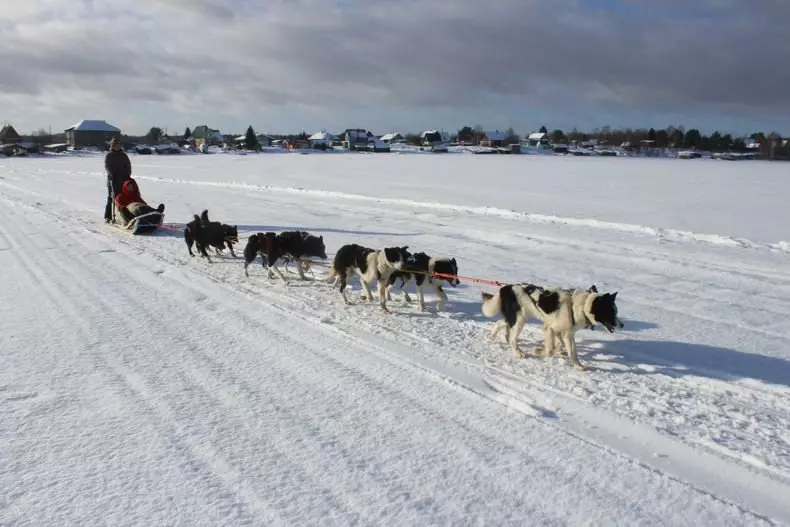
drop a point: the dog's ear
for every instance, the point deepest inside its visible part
(614, 296)
(453, 260)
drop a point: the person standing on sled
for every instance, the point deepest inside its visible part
(129, 204)
(119, 170)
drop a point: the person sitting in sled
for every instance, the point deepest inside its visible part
(130, 205)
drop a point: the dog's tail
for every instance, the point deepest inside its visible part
(204, 217)
(492, 304)
(332, 273)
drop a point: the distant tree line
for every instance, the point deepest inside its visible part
(770, 145)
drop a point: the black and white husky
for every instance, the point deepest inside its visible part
(562, 311)
(591, 307)
(371, 265)
(420, 269)
(519, 302)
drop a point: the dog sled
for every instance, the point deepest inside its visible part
(142, 224)
(144, 219)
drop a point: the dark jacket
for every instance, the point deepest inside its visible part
(118, 168)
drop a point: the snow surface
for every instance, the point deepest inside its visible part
(140, 386)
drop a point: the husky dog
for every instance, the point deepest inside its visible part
(300, 246)
(519, 302)
(421, 268)
(259, 243)
(369, 264)
(591, 307)
(193, 235)
(297, 245)
(204, 233)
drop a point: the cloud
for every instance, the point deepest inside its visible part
(188, 55)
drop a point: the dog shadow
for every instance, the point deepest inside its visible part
(311, 230)
(679, 359)
(455, 308)
(633, 326)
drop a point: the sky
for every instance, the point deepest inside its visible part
(284, 66)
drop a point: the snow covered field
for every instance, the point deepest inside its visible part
(139, 386)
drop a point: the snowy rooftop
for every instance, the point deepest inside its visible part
(321, 136)
(87, 125)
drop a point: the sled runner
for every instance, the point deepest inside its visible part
(146, 223)
(143, 224)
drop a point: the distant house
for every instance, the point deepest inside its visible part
(91, 133)
(392, 138)
(435, 140)
(356, 138)
(322, 139)
(538, 140)
(495, 138)
(203, 134)
(8, 135)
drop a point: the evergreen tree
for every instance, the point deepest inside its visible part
(466, 135)
(662, 138)
(543, 130)
(651, 134)
(692, 139)
(154, 135)
(187, 133)
(675, 137)
(511, 137)
(250, 139)
(558, 136)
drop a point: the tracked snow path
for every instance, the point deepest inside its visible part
(262, 403)
(151, 396)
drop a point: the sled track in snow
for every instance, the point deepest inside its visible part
(546, 389)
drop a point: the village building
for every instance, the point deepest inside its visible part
(91, 133)
(321, 140)
(392, 138)
(493, 139)
(8, 135)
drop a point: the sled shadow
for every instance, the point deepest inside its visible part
(681, 358)
(165, 233)
(312, 230)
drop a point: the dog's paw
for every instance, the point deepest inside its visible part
(579, 367)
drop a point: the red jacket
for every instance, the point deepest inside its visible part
(129, 194)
